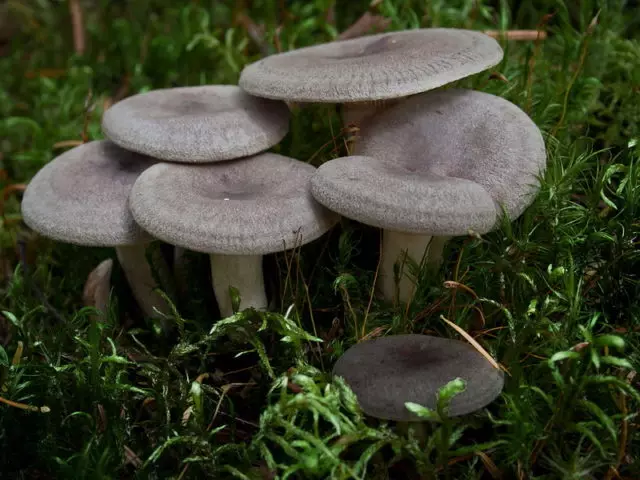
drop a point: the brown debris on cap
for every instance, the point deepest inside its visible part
(196, 124)
(387, 372)
(375, 67)
(440, 163)
(81, 196)
(251, 206)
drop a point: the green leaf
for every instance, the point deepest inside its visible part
(595, 358)
(423, 412)
(4, 358)
(478, 447)
(196, 398)
(236, 473)
(545, 396)
(234, 293)
(613, 381)
(560, 356)
(456, 435)
(616, 362)
(450, 390)
(11, 317)
(612, 341)
(605, 420)
(582, 428)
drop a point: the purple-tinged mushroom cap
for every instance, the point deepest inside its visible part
(81, 197)
(387, 372)
(399, 197)
(460, 136)
(253, 206)
(237, 211)
(439, 164)
(197, 124)
(375, 67)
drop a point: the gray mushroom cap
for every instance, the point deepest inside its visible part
(196, 124)
(81, 197)
(374, 67)
(252, 206)
(440, 163)
(387, 372)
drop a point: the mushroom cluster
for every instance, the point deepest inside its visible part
(429, 163)
(189, 166)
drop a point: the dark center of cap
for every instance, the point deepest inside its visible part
(381, 45)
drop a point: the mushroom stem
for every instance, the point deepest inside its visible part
(354, 113)
(243, 272)
(134, 263)
(423, 249)
(357, 112)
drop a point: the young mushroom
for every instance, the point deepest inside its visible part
(237, 211)
(81, 197)
(363, 73)
(387, 372)
(440, 164)
(197, 124)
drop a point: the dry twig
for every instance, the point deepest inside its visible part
(255, 32)
(367, 23)
(77, 23)
(517, 35)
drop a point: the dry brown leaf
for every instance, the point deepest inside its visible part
(67, 143)
(46, 73)
(367, 23)
(97, 288)
(132, 458)
(491, 467)
(77, 24)
(255, 32)
(186, 415)
(470, 339)
(518, 35)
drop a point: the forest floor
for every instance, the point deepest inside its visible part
(553, 296)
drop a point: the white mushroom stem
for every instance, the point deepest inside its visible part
(354, 113)
(243, 272)
(357, 112)
(134, 263)
(422, 249)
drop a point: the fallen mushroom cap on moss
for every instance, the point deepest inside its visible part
(387, 372)
(237, 211)
(81, 198)
(197, 124)
(384, 66)
(439, 164)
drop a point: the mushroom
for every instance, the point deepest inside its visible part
(237, 211)
(387, 372)
(439, 164)
(196, 124)
(368, 72)
(81, 197)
